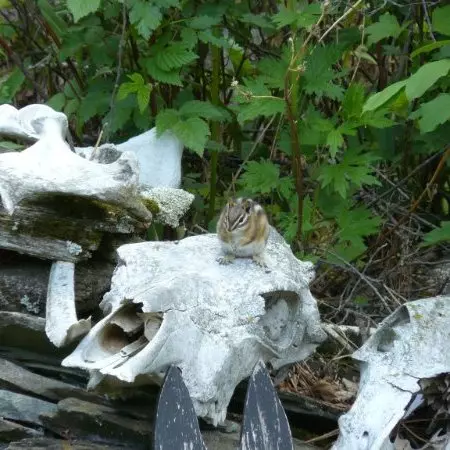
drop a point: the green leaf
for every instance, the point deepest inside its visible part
(335, 141)
(208, 37)
(418, 83)
(438, 235)
(206, 110)
(194, 133)
(81, 8)
(387, 26)
(164, 76)
(261, 107)
(54, 21)
(429, 47)
(260, 20)
(353, 171)
(166, 120)
(174, 56)
(204, 22)
(137, 86)
(57, 102)
(433, 113)
(353, 101)
(377, 119)
(284, 17)
(377, 100)
(10, 85)
(145, 17)
(260, 177)
(319, 73)
(441, 20)
(143, 96)
(303, 18)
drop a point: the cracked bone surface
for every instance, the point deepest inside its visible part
(49, 167)
(410, 344)
(172, 303)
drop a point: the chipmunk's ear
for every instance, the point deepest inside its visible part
(247, 204)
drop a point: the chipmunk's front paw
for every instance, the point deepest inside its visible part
(260, 260)
(227, 259)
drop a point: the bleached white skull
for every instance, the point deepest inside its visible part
(172, 303)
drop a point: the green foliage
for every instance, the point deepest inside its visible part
(438, 235)
(311, 109)
(81, 8)
(137, 86)
(441, 20)
(260, 177)
(433, 113)
(426, 77)
(10, 85)
(387, 26)
(188, 123)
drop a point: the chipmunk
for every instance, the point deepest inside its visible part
(243, 230)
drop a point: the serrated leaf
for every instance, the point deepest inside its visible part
(353, 170)
(441, 20)
(143, 96)
(208, 37)
(163, 76)
(260, 20)
(135, 86)
(387, 26)
(377, 119)
(261, 107)
(166, 120)
(81, 8)
(206, 110)
(335, 141)
(377, 100)
(145, 17)
(429, 47)
(125, 90)
(204, 22)
(260, 177)
(174, 57)
(418, 83)
(319, 73)
(303, 18)
(438, 235)
(429, 119)
(189, 37)
(284, 17)
(194, 133)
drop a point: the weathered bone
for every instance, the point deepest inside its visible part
(61, 323)
(410, 344)
(172, 303)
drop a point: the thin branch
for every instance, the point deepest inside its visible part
(112, 103)
(339, 20)
(255, 145)
(427, 19)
